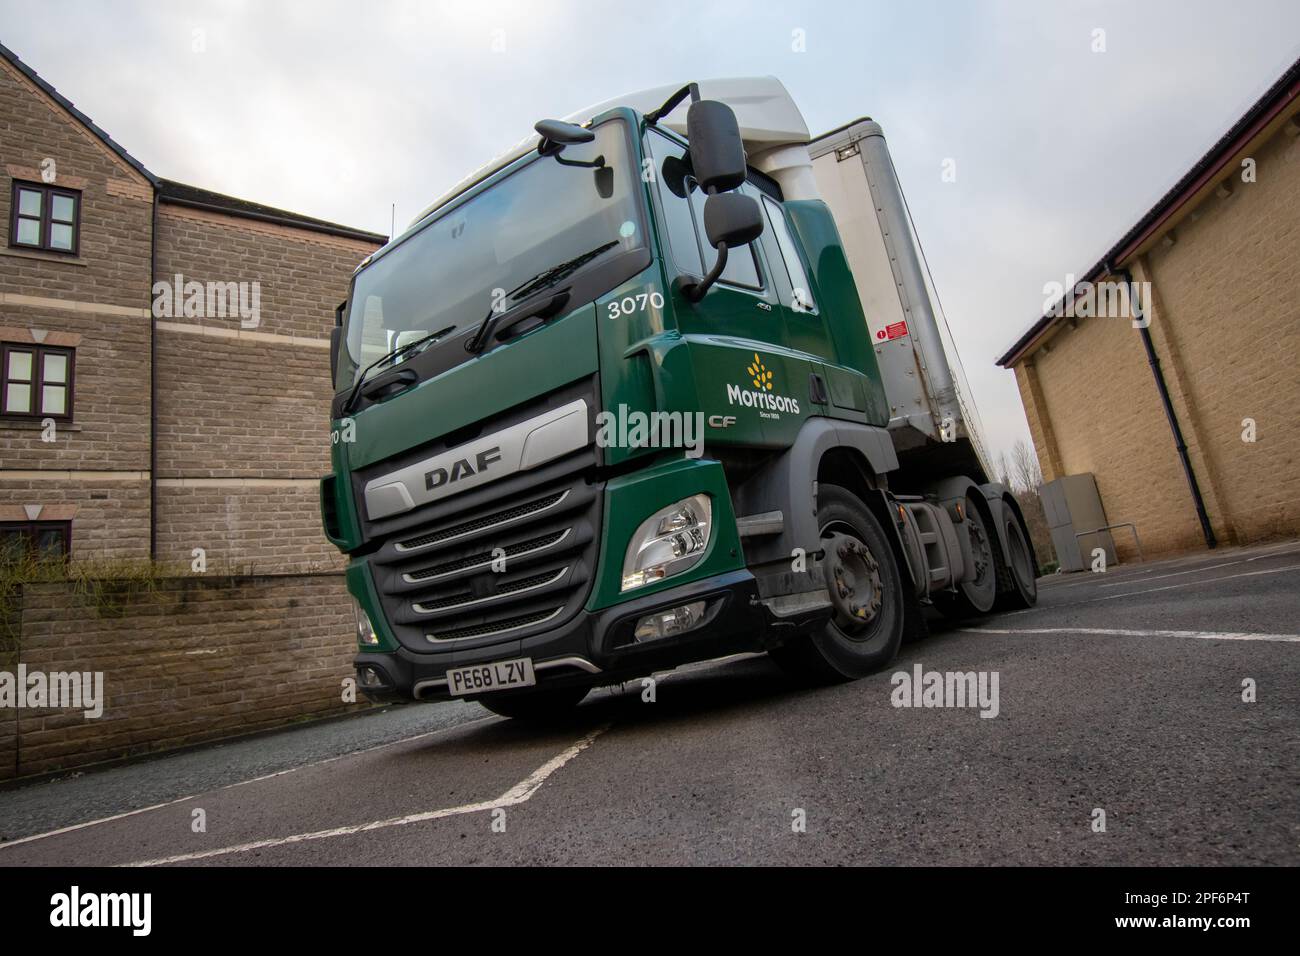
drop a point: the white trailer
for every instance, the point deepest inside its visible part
(930, 404)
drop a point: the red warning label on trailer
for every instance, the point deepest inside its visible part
(895, 330)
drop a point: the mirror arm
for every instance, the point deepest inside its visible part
(597, 163)
(654, 116)
(694, 291)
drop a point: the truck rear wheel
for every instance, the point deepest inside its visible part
(977, 595)
(1017, 576)
(866, 591)
(538, 707)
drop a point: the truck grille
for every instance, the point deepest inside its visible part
(516, 558)
(497, 628)
(484, 559)
(481, 524)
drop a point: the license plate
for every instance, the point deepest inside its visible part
(498, 675)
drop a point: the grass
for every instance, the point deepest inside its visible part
(107, 585)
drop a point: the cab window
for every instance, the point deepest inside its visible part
(682, 201)
(801, 299)
(673, 174)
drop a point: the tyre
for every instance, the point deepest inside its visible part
(545, 706)
(1017, 577)
(866, 593)
(977, 595)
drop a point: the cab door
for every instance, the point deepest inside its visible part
(806, 327)
(734, 336)
(742, 303)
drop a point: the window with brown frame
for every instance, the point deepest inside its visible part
(35, 540)
(36, 381)
(45, 217)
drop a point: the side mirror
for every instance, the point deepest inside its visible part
(717, 153)
(732, 219)
(556, 134)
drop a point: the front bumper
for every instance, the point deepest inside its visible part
(593, 648)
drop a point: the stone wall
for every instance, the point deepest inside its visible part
(194, 661)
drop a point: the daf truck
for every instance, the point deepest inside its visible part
(666, 381)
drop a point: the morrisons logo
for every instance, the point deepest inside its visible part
(761, 395)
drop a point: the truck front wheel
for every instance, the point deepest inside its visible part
(866, 592)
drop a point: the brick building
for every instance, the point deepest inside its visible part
(134, 425)
(184, 431)
(1212, 266)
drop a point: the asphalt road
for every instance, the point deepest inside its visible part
(1121, 692)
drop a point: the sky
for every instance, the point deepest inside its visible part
(343, 110)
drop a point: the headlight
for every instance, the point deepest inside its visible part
(668, 542)
(366, 635)
(662, 624)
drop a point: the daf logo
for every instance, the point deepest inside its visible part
(461, 469)
(553, 434)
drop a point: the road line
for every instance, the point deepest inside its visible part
(1166, 587)
(524, 789)
(1127, 572)
(1122, 570)
(1122, 632)
(1211, 567)
(519, 793)
(1275, 553)
(1176, 574)
(239, 783)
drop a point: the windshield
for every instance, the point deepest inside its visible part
(495, 249)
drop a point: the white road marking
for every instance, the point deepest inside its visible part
(240, 783)
(1166, 587)
(1127, 572)
(1175, 574)
(1123, 632)
(1211, 567)
(516, 795)
(1273, 554)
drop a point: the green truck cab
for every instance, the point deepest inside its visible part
(613, 406)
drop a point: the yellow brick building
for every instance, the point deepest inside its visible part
(1214, 266)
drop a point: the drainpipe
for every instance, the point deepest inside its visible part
(1170, 415)
(153, 387)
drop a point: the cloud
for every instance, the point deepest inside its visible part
(342, 110)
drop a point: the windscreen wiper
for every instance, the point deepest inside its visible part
(389, 357)
(548, 278)
(542, 281)
(545, 305)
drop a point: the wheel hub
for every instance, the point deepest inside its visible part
(853, 578)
